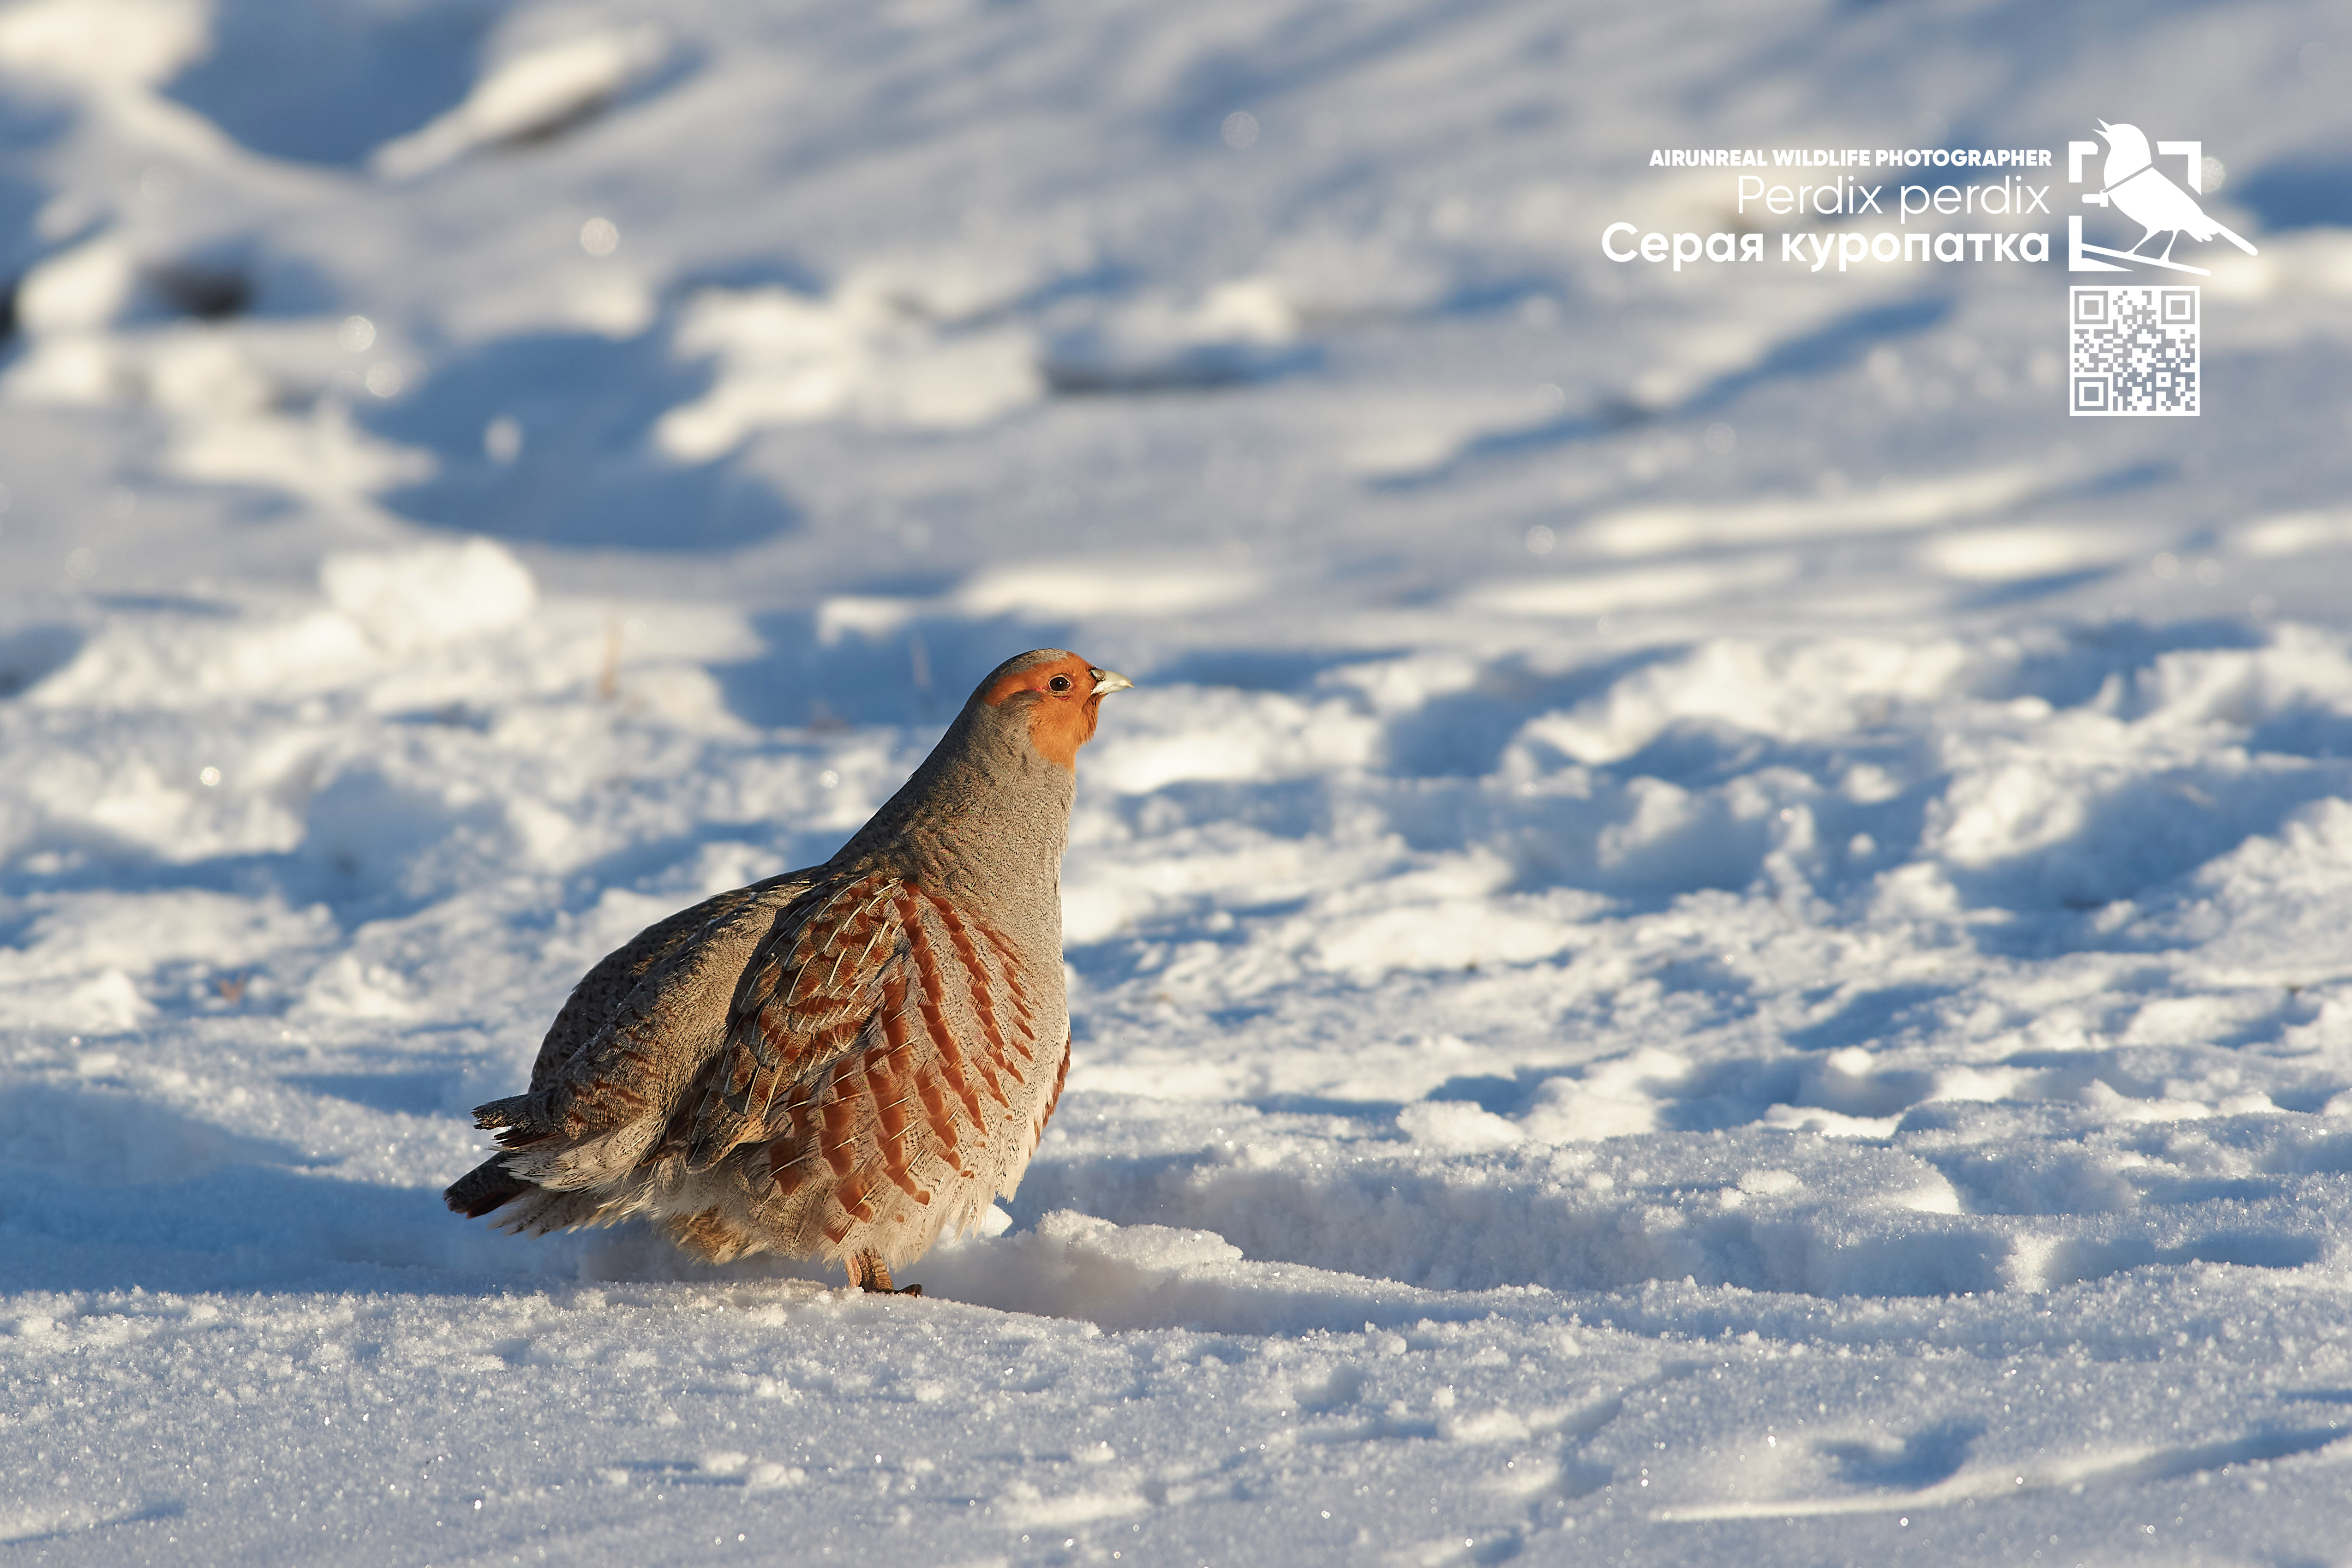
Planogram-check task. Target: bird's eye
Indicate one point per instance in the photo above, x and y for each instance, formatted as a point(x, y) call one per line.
point(1059, 683)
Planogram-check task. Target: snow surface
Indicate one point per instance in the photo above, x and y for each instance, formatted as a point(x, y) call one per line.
point(1713, 936)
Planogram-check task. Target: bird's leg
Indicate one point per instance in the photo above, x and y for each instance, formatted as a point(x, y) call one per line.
point(871, 1275)
point(2170, 242)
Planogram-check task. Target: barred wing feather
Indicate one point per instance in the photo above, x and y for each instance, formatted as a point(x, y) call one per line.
point(885, 1050)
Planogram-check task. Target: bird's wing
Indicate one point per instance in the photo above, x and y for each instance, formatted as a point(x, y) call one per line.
point(875, 1015)
point(636, 1029)
point(815, 984)
point(606, 986)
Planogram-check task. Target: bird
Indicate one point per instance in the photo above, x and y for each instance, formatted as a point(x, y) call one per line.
point(2144, 194)
point(842, 1062)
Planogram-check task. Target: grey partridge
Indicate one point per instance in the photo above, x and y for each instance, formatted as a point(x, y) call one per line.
point(842, 1062)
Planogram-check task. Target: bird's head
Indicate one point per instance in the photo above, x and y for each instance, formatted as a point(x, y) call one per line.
point(1058, 694)
point(2125, 145)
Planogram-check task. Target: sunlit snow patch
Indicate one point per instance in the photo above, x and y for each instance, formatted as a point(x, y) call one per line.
point(2292, 533)
point(1237, 331)
point(2009, 554)
point(1200, 732)
point(1129, 586)
point(1659, 530)
point(1614, 1098)
point(78, 289)
point(324, 457)
point(790, 358)
point(533, 94)
point(1453, 1127)
point(1605, 593)
point(104, 43)
point(1791, 690)
point(430, 592)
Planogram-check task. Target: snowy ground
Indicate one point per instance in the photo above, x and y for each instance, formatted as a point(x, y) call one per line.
point(1714, 935)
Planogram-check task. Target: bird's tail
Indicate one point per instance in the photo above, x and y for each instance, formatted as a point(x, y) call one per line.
point(2235, 238)
point(489, 1185)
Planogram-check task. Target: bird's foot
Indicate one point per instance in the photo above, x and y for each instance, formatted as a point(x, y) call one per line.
point(871, 1275)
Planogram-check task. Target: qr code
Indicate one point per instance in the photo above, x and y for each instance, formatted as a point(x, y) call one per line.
point(2132, 351)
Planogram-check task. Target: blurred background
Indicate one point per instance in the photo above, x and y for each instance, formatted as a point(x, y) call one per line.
point(902, 327)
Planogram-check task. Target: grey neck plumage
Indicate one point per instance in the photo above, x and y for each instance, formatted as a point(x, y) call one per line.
point(984, 813)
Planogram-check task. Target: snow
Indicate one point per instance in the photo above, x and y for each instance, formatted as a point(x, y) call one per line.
point(1712, 935)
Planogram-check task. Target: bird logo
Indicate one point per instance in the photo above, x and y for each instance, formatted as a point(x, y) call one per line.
point(2133, 185)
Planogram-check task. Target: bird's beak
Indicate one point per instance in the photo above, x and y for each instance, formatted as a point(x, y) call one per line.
point(2104, 128)
point(1108, 680)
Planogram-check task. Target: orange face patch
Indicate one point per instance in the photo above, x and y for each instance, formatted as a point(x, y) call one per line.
point(1060, 720)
